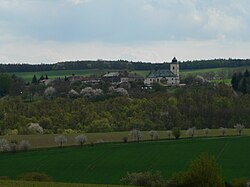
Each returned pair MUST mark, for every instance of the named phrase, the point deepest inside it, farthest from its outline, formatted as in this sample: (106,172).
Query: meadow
(107,163)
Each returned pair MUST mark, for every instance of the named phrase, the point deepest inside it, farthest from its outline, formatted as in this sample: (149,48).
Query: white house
(166,77)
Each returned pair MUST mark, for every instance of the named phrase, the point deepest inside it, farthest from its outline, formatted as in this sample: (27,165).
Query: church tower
(175,69)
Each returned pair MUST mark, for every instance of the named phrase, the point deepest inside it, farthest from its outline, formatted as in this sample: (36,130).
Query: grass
(47,140)
(107,163)
(9,183)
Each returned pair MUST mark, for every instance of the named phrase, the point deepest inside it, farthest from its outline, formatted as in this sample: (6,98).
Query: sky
(48,31)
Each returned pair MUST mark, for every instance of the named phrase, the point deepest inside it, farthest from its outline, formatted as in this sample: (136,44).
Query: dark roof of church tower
(174,61)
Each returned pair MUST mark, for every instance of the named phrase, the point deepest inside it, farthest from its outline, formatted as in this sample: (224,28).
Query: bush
(203,172)
(144,179)
(176,132)
(34,176)
(60,140)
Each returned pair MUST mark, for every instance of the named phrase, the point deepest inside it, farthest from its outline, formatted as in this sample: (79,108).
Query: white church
(166,77)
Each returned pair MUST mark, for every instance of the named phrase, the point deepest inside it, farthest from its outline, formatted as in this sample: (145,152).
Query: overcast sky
(42,31)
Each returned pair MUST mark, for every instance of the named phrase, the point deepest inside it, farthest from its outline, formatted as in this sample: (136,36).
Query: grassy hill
(107,163)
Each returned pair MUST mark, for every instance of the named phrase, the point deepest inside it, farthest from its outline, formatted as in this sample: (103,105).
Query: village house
(165,77)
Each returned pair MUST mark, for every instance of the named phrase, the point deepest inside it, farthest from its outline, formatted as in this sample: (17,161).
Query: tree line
(205,106)
(122,64)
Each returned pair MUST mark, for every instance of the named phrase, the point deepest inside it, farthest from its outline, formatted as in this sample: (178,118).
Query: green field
(107,163)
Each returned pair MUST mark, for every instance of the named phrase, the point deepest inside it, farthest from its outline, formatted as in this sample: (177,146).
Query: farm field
(7,183)
(107,163)
(27,76)
(47,140)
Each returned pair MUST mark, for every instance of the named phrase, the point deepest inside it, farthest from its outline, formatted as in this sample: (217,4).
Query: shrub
(24,145)
(206,131)
(13,147)
(34,176)
(176,132)
(144,179)
(203,172)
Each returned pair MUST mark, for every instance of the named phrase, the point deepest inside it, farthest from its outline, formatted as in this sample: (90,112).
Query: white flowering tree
(73,94)
(4,145)
(239,128)
(24,145)
(61,140)
(206,131)
(191,131)
(49,92)
(89,92)
(136,135)
(81,139)
(35,128)
(154,135)
(222,131)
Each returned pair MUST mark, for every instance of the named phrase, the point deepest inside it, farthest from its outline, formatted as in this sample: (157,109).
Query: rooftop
(161,73)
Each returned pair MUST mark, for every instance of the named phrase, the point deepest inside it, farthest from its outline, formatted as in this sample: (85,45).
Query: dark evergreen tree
(41,78)
(34,80)
(235,82)
(46,77)
(246,74)
(243,85)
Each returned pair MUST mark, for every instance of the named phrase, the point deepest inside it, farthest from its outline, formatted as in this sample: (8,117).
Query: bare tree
(191,131)
(136,135)
(81,139)
(60,140)
(24,145)
(239,128)
(206,131)
(223,131)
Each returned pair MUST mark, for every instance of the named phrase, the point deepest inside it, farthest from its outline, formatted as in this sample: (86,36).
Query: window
(173,67)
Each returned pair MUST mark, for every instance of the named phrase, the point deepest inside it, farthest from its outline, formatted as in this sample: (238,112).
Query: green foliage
(34,176)
(203,172)
(102,125)
(148,179)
